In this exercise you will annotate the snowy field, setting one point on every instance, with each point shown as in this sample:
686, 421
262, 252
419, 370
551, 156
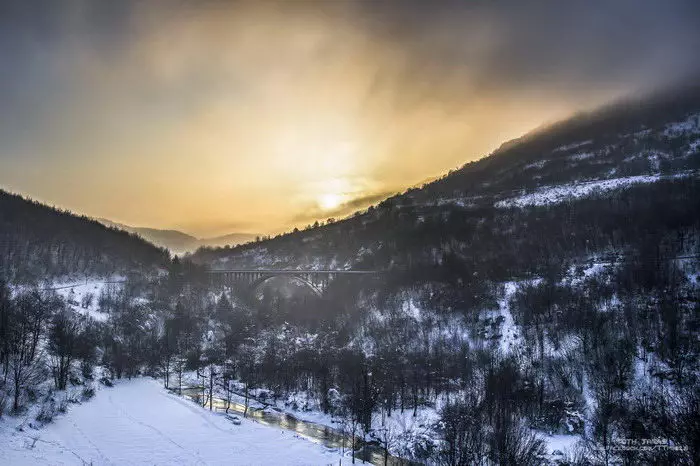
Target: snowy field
138, 422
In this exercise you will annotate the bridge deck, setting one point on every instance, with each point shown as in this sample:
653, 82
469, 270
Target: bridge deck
293, 271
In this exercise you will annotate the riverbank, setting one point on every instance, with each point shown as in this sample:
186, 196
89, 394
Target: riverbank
138, 422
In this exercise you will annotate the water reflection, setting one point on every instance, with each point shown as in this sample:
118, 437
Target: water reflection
318, 433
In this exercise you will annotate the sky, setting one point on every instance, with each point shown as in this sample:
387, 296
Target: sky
215, 117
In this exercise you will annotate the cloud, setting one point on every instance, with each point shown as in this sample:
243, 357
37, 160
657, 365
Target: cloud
315, 213
227, 113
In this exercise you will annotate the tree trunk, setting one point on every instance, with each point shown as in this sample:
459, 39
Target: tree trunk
211, 388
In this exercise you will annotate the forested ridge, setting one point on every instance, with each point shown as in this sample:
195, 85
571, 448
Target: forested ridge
39, 242
552, 287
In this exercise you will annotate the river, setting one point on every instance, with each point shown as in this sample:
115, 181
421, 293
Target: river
317, 433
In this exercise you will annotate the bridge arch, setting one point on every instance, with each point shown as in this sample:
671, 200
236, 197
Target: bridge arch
259, 283
316, 280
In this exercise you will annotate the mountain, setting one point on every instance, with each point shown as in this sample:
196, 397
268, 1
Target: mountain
38, 241
548, 293
231, 239
174, 240
630, 160
179, 242
538, 306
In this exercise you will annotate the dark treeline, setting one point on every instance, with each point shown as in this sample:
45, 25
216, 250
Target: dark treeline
39, 242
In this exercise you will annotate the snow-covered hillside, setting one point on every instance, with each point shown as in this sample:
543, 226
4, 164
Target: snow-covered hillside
138, 422
84, 296
554, 194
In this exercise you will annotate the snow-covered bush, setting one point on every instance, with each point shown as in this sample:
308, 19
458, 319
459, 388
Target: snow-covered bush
88, 392
48, 411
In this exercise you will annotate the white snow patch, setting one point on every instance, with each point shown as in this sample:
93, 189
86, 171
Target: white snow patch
575, 145
689, 125
560, 443
577, 275
582, 156
509, 331
557, 194
538, 164
694, 147
75, 292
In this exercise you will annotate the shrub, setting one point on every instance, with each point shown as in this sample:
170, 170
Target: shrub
88, 392
62, 406
86, 368
47, 412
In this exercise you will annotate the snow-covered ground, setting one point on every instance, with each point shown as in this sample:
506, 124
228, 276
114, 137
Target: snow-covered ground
138, 422
556, 194
83, 296
690, 125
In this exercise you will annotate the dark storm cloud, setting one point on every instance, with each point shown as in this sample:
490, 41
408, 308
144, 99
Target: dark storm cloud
555, 45
37, 39
443, 46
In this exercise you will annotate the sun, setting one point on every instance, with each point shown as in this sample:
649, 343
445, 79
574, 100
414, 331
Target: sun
330, 201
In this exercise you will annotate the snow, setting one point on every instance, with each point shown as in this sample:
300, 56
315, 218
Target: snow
138, 422
689, 125
557, 194
565, 444
573, 146
403, 429
539, 164
694, 147
509, 330
578, 275
74, 292
582, 156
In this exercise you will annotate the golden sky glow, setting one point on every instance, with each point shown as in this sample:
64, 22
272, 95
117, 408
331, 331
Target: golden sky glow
259, 117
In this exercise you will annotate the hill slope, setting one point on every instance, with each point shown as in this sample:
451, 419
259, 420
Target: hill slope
603, 182
554, 285
179, 242
38, 241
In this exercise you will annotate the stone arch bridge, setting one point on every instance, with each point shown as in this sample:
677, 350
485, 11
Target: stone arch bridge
316, 280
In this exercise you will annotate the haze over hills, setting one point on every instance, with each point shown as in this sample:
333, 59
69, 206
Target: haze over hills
179, 242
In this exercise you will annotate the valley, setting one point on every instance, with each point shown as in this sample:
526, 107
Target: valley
538, 306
